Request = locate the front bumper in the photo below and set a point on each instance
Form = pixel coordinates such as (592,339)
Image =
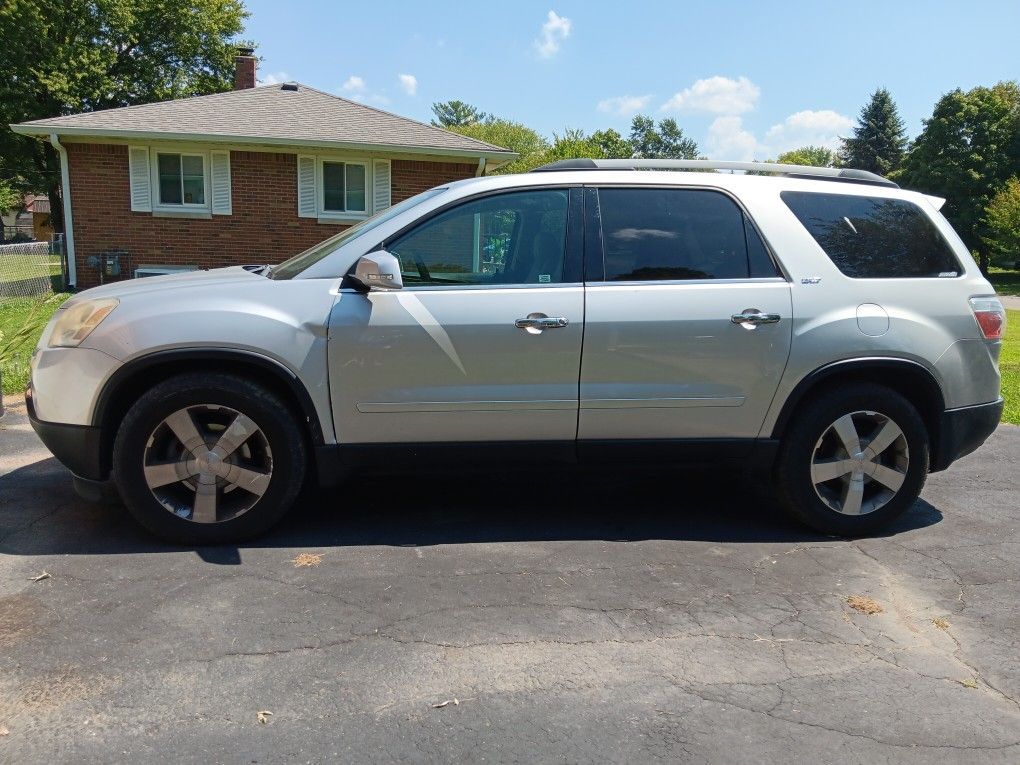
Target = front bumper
(77,447)
(963,430)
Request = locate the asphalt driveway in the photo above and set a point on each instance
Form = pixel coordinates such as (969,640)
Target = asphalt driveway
(563,617)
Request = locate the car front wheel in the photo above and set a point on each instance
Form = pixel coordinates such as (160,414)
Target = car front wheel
(209,458)
(853,460)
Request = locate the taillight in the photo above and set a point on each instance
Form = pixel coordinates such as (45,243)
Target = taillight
(990,315)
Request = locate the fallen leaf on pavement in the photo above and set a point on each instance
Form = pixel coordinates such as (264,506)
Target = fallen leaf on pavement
(4,731)
(970,682)
(864,605)
(442,704)
(43,575)
(941,622)
(306,559)
(264,716)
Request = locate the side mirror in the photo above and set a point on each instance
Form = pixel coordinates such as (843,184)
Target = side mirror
(378,270)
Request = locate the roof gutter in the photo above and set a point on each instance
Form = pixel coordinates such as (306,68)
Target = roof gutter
(152,135)
(65,194)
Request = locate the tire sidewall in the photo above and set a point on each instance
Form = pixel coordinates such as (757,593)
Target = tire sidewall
(265,409)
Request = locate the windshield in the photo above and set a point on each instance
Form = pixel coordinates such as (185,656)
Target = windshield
(294,266)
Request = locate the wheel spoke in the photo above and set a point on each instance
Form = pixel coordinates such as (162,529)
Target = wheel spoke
(240,430)
(888,433)
(847,432)
(205,501)
(888,477)
(249,480)
(826,470)
(183,427)
(853,497)
(168,472)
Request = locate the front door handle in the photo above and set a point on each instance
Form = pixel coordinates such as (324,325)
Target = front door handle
(536,323)
(750,318)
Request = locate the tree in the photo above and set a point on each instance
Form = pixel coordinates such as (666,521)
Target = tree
(450,114)
(87,55)
(880,138)
(1002,223)
(612,144)
(9,197)
(510,135)
(573,144)
(665,142)
(966,152)
(814,156)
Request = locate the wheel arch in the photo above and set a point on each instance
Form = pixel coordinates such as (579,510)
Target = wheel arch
(912,380)
(136,376)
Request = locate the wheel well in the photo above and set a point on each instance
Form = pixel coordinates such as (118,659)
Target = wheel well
(909,379)
(132,381)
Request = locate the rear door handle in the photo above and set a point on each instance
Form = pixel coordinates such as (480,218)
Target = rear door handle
(536,323)
(752,317)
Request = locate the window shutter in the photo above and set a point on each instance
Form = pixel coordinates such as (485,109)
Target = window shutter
(380,185)
(219,177)
(138,171)
(306,197)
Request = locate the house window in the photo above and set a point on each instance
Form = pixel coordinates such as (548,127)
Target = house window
(181,179)
(344,187)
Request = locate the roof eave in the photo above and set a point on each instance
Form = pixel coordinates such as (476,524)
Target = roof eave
(28,128)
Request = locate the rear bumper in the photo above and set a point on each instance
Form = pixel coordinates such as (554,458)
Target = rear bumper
(77,447)
(964,430)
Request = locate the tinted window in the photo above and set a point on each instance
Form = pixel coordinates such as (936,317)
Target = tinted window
(515,238)
(872,237)
(665,234)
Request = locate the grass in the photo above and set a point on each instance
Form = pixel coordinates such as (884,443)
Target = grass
(21,322)
(1005,281)
(1009,365)
(14,268)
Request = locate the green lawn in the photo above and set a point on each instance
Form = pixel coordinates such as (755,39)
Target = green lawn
(1009,365)
(17,267)
(21,322)
(1005,282)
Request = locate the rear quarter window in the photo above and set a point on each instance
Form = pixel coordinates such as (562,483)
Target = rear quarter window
(874,237)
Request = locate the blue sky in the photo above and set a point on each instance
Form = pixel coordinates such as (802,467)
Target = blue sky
(745,79)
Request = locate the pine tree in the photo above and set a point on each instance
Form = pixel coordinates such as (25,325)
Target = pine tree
(879,140)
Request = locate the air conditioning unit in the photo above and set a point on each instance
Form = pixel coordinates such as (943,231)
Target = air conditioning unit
(142,271)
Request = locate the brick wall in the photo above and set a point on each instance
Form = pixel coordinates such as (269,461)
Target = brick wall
(264,227)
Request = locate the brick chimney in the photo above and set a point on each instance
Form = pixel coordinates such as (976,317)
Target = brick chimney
(244,69)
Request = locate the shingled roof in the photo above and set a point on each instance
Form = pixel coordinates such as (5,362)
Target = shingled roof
(288,115)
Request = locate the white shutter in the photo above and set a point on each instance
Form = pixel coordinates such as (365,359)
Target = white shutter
(380,185)
(306,197)
(138,171)
(219,177)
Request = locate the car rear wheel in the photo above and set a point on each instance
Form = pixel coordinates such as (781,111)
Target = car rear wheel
(854,459)
(209,458)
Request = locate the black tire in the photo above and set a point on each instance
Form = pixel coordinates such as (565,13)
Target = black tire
(793,471)
(282,432)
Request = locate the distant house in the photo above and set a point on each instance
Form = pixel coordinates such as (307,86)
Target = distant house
(252,175)
(29,221)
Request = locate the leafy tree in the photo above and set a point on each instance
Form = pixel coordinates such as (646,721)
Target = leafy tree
(510,135)
(1002,223)
(450,114)
(86,55)
(966,152)
(612,144)
(573,144)
(880,138)
(665,142)
(813,156)
(9,197)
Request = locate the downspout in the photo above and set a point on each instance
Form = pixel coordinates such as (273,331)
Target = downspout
(65,192)
(481,167)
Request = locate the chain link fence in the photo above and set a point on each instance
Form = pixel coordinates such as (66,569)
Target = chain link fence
(31,268)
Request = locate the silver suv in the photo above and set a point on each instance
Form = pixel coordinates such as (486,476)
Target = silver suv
(822,325)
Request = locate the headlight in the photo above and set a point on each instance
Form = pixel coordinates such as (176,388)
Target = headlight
(75,323)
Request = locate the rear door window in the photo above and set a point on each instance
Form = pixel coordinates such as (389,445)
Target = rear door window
(654,234)
(874,237)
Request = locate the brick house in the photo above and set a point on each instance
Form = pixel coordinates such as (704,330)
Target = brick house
(252,175)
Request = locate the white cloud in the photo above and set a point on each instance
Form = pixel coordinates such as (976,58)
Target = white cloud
(808,128)
(274,78)
(409,83)
(727,139)
(353,84)
(718,95)
(555,30)
(623,106)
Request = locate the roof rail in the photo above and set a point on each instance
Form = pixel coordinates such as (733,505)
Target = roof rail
(848,175)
